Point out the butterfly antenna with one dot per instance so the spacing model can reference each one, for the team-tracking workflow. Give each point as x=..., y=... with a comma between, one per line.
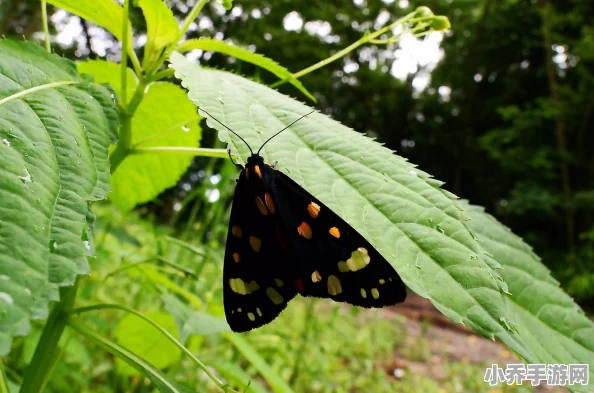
x=236, y=134
x=268, y=140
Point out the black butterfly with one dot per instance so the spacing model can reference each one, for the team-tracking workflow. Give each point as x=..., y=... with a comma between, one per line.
x=282, y=241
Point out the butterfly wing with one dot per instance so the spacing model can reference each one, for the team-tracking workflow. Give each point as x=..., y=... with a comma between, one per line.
x=333, y=260
x=259, y=269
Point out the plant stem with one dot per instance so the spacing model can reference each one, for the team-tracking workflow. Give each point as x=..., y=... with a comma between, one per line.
x=3, y=380
x=45, y=26
x=190, y=18
x=304, y=341
x=363, y=40
x=47, y=350
x=200, y=365
x=194, y=151
x=124, y=142
x=124, y=63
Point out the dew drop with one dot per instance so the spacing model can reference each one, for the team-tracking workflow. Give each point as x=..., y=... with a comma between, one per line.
x=221, y=100
x=87, y=245
x=27, y=178
x=53, y=245
x=185, y=128
x=6, y=142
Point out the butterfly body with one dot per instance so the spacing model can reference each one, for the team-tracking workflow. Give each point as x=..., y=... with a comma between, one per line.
x=282, y=241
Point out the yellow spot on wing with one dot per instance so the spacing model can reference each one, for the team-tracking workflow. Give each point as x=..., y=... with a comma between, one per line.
x=261, y=206
x=255, y=243
x=239, y=310
x=236, y=231
x=363, y=293
x=279, y=283
x=236, y=257
x=304, y=230
x=251, y=316
x=257, y=169
x=269, y=202
x=258, y=311
x=342, y=267
x=313, y=209
x=382, y=281
x=358, y=260
x=375, y=293
x=241, y=287
x=334, y=287
x=334, y=232
x=316, y=276
x=273, y=294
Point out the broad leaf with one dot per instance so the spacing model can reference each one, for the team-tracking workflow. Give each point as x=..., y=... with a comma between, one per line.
x=209, y=44
x=146, y=341
x=105, y=13
x=162, y=29
x=416, y=225
x=165, y=117
x=554, y=327
x=55, y=131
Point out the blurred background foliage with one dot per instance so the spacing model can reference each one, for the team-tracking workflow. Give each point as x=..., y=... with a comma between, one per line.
x=501, y=108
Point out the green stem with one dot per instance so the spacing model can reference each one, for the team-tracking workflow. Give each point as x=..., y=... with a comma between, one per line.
x=47, y=350
x=194, y=151
x=121, y=150
x=124, y=64
x=363, y=40
x=3, y=380
x=104, y=306
x=157, y=76
x=45, y=26
x=190, y=18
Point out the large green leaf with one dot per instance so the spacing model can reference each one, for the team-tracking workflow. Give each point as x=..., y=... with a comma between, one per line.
x=55, y=131
x=165, y=117
x=554, y=327
x=107, y=72
x=105, y=13
x=161, y=26
x=209, y=44
x=416, y=225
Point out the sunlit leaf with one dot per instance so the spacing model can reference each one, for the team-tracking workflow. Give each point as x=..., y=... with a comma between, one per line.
x=146, y=341
x=162, y=29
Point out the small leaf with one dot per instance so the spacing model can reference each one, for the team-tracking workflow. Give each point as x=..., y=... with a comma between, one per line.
x=209, y=44
x=144, y=340
x=55, y=132
x=162, y=29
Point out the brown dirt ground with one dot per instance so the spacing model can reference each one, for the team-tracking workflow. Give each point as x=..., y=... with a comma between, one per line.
x=447, y=342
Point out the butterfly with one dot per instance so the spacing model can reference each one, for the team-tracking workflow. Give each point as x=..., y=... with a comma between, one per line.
x=283, y=241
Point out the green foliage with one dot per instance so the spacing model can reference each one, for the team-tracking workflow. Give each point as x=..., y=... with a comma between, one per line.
x=55, y=130
x=144, y=340
x=162, y=29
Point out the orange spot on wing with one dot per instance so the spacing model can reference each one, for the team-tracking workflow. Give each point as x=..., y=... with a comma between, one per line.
x=313, y=209
x=269, y=202
x=304, y=230
x=334, y=232
x=258, y=172
x=261, y=206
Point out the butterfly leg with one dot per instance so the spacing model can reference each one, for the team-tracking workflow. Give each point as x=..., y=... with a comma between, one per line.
x=234, y=163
